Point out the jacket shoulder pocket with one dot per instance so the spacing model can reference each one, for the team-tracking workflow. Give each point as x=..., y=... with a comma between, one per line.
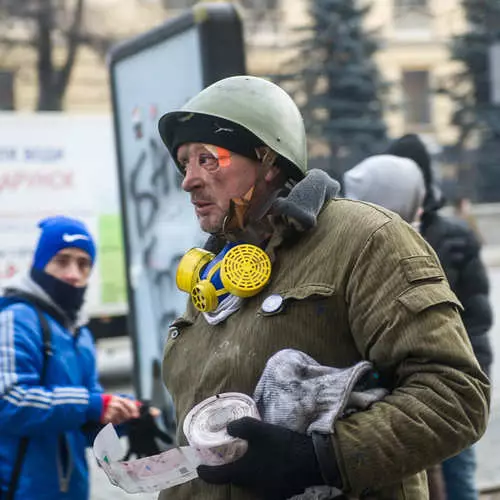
x=423, y=296
x=421, y=268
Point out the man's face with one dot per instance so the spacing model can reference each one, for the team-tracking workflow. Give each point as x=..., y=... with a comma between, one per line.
x=70, y=265
x=213, y=182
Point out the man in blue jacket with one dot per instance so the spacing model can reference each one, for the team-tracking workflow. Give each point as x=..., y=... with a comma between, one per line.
x=50, y=397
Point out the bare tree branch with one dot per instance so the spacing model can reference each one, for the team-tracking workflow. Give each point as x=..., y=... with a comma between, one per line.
x=22, y=9
x=45, y=64
x=17, y=42
x=73, y=38
x=98, y=43
x=48, y=24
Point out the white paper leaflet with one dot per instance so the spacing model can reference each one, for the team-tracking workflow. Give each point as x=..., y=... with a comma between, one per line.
x=150, y=474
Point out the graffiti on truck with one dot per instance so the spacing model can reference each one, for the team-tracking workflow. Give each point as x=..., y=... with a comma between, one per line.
x=157, y=210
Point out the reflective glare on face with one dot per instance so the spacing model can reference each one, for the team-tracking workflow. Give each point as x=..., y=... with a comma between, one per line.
x=213, y=182
x=70, y=265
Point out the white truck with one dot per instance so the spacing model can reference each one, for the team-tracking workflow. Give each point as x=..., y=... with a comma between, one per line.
x=57, y=163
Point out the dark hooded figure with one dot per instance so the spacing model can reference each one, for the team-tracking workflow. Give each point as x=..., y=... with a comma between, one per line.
x=459, y=251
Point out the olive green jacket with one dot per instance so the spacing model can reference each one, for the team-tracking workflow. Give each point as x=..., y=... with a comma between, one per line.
x=360, y=285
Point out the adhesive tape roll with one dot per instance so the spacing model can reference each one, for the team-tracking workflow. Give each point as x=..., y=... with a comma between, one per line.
x=205, y=427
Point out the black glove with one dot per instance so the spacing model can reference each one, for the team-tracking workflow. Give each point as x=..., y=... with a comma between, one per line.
x=278, y=464
x=142, y=435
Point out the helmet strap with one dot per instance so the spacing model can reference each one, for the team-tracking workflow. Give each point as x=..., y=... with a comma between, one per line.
x=241, y=210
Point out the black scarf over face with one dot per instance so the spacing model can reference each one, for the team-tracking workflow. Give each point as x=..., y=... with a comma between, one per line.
x=67, y=297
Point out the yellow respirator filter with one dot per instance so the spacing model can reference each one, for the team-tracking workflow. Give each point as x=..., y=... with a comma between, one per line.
x=245, y=270
x=242, y=270
x=190, y=266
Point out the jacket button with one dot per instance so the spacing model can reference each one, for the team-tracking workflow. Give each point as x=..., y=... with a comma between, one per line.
x=272, y=303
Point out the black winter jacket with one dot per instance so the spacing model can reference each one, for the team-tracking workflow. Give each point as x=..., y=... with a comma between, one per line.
x=459, y=251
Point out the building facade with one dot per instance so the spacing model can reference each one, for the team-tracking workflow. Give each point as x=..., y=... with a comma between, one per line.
x=413, y=56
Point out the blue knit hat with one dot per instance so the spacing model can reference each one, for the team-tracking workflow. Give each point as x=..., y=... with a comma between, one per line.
x=61, y=232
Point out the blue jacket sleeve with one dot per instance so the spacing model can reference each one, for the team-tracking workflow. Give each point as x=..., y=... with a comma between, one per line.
x=26, y=406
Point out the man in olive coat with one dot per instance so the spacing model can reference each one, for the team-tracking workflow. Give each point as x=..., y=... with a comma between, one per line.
x=349, y=282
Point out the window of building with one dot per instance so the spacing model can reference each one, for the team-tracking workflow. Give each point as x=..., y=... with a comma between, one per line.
x=416, y=97
x=494, y=63
x=178, y=4
x=403, y=6
x=6, y=90
x=411, y=14
x=260, y=4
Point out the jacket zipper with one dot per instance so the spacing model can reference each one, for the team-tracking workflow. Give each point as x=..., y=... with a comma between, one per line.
x=64, y=479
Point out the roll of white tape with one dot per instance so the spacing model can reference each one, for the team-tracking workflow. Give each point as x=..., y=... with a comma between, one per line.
x=205, y=427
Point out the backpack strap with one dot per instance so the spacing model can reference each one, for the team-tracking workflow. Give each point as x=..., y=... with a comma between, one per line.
x=23, y=445
x=47, y=342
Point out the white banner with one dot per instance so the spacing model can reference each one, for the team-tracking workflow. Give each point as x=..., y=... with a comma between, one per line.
x=59, y=164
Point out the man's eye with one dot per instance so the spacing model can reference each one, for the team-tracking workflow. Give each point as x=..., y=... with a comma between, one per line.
x=208, y=161
x=84, y=265
x=204, y=158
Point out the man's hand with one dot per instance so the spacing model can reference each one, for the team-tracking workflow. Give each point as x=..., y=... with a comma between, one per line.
x=118, y=409
x=278, y=464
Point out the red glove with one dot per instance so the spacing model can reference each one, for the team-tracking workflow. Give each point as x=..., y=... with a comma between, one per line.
x=106, y=398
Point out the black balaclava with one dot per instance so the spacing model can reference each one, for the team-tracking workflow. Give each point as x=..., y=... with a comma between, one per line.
x=67, y=297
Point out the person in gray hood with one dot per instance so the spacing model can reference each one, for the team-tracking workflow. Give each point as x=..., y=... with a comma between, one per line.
x=389, y=181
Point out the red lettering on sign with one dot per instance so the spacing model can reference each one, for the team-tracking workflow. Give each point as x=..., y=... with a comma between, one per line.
x=54, y=180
